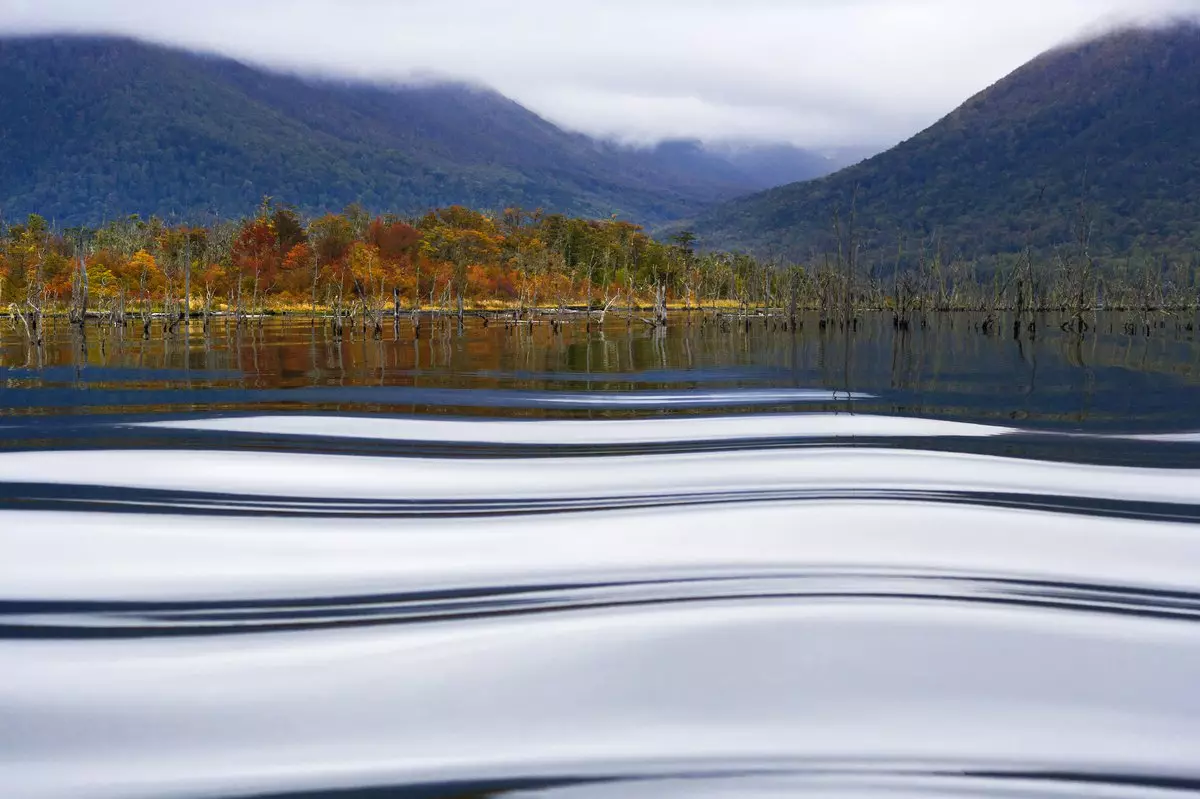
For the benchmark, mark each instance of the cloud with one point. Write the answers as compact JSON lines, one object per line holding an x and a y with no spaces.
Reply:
{"x":815,"y":72}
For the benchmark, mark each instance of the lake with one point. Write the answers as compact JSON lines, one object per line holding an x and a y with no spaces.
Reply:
{"x":717,"y":559}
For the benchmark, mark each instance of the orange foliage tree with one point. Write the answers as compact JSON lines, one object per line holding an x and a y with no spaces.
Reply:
{"x":356,"y":263}
{"x":459,"y":237}
{"x":256,"y":260}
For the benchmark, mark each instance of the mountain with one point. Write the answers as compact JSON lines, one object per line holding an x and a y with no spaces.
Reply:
{"x":1101,"y":136}
{"x":754,"y":165}
{"x":92,"y":128}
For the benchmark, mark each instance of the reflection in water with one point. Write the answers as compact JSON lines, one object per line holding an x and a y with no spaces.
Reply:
{"x":715,"y":562}
{"x":947,"y":369}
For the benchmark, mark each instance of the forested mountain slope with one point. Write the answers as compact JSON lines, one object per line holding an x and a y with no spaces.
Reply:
{"x":92,"y":128}
{"x":1098,"y":141}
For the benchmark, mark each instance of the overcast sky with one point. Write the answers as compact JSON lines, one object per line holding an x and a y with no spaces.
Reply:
{"x":814,"y":72}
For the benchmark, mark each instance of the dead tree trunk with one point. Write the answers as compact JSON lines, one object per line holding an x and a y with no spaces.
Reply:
{"x":660,"y":305}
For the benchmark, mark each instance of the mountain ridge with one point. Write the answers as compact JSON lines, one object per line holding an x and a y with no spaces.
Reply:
{"x":1097,"y":135}
{"x":106,"y":126}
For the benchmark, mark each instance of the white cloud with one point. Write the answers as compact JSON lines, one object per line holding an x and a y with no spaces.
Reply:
{"x":817,"y":72}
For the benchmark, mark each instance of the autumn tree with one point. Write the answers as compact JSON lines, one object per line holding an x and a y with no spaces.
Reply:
{"x":297,"y":272}
{"x":26,"y":249}
{"x":329,"y":241}
{"x":143,"y":267}
{"x":370,"y":278}
{"x":256,"y":259}
{"x":399,"y":248}
{"x":459,"y":237}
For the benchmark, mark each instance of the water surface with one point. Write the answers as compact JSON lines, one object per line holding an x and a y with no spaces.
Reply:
{"x":714,"y":561}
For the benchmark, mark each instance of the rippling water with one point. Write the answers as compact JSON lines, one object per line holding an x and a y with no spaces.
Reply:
{"x":718,"y":562}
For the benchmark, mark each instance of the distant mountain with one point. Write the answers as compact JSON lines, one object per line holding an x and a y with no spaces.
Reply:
{"x":1102,"y":136}
{"x":756,"y":166}
{"x":92,"y":128}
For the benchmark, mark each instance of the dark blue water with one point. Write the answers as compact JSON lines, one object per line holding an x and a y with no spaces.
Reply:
{"x":716,"y":562}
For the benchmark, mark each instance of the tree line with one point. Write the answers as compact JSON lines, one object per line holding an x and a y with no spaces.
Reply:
{"x":354,"y":265}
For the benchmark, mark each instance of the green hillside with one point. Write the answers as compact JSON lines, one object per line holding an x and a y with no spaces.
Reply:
{"x":92,"y":128}
{"x":1102,"y":137}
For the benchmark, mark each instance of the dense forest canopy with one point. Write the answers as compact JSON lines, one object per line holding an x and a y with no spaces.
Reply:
{"x":278,"y":259}
{"x":452,"y":259}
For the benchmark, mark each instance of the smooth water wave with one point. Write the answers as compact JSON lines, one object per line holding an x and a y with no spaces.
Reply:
{"x":1189,"y":437}
{"x":338,"y":478}
{"x":105,"y":557}
{"x":781,"y":611}
{"x":584,"y":432}
{"x":603,"y":693}
{"x":63,"y":619}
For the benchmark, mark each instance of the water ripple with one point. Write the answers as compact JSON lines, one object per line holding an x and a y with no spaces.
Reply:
{"x":136,"y":619}
{"x":782,"y":611}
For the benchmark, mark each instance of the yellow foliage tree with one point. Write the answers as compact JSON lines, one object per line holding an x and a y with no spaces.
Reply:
{"x":142,"y":272}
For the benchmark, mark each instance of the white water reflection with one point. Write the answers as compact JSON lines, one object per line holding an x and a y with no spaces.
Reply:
{"x":830,"y":620}
{"x":657,"y":476}
{"x":596,"y":693}
{"x":584,"y":432}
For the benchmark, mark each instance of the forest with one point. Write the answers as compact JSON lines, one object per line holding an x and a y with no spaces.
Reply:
{"x":355,"y":268}
{"x":1097,"y":127}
